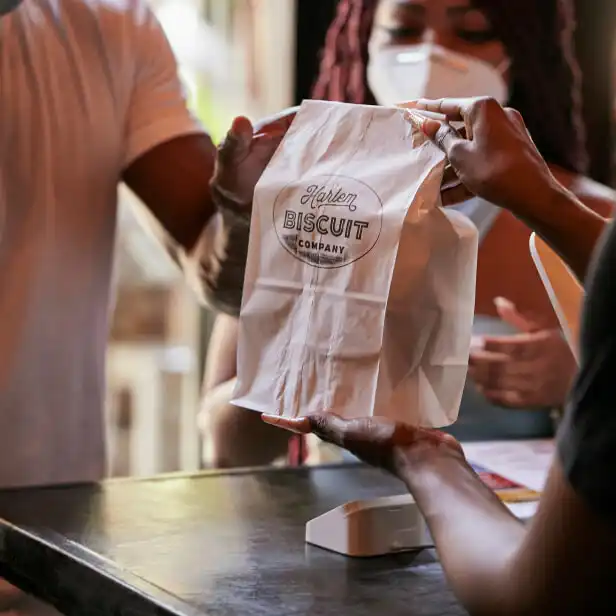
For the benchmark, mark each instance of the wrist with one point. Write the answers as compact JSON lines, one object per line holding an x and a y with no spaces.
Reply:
{"x":550,"y":198}
{"x":232,"y":211}
{"x":419,"y":464}
{"x":216,"y":266}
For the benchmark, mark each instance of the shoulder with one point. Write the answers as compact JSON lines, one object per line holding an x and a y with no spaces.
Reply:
{"x":118,"y":10}
{"x":112,"y":24}
{"x":126,"y":34}
{"x":598,"y":197}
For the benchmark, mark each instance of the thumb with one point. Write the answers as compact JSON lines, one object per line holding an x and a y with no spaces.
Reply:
{"x":236,"y":144}
{"x":443,"y":134}
{"x":508,"y":312}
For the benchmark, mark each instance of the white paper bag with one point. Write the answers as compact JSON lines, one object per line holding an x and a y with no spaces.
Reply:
{"x":359,"y":290}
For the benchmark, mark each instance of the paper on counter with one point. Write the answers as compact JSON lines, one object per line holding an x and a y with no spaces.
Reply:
{"x":525,"y":462}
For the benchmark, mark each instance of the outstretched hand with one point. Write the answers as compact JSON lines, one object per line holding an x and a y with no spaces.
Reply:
{"x":387,"y":444}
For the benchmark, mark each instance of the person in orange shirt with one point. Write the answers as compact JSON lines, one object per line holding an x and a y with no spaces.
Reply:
{"x":520,"y":53}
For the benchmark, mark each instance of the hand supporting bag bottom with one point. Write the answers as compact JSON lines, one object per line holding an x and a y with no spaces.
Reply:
{"x":359,"y":290}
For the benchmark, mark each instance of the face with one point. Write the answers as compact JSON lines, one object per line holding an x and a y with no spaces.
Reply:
{"x":453,"y":24}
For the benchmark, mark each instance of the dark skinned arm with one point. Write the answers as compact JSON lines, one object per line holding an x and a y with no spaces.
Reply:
{"x":168,"y":159}
{"x":499,"y":162}
{"x":569,"y":227}
{"x":173,"y":180}
{"x":200,"y":197}
{"x":563,"y":563}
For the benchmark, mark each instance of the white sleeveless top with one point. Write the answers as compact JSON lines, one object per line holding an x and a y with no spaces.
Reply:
{"x":86,"y":87}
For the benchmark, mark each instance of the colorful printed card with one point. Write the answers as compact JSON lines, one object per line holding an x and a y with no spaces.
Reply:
{"x":508,"y":491}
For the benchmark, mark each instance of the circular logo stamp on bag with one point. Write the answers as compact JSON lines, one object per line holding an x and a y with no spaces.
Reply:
{"x":328,"y":221}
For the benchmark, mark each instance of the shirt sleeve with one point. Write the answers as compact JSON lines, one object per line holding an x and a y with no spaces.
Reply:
{"x":157,"y":106}
{"x":587,"y":438}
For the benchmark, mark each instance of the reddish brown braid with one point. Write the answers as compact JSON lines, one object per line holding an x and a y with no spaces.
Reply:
{"x":545,"y":77}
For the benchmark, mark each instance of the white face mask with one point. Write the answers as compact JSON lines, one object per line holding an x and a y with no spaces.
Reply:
{"x":408,"y":72}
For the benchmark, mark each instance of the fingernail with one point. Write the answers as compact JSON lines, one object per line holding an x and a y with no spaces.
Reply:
{"x":502,"y":302}
{"x":235,"y":126}
{"x":430,"y":128}
{"x":299,"y":425}
{"x":241,"y":129}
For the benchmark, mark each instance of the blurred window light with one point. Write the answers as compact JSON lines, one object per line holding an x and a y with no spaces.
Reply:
{"x":191,"y":87}
{"x":196,"y":44}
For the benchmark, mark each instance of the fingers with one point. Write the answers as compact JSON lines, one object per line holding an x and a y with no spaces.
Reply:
{"x":507,"y":398}
{"x":486,"y":368}
{"x":481,"y":356}
{"x":445,"y":136}
{"x":333,"y":429}
{"x":452,"y":189}
{"x":327,"y":426}
{"x":450,"y":178}
{"x":526,"y":345}
{"x":279,"y":122}
{"x":492,"y":367}
{"x":472,"y":111}
{"x":516,"y":347}
{"x":454,"y":109}
{"x":374,"y":440}
{"x":298,"y":425}
{"x":500,"y":375}
{"x":236,"y":145}
{"x":455,"y":195}
{"x":501,"y":378}
{"x":508,"y":312}
{"x":330,"y":428}
{"x":278,"y":129}
{"x":511,"y":370}
{"x":515,"y":116}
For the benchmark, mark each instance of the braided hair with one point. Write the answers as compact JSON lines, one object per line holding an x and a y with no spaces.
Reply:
{"x":545,"y":77}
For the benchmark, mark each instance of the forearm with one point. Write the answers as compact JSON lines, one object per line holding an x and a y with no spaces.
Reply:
{"x":217,"y":262}
{"x":568,"y":226}
{"x":474,"y":533}
{"x":173,"y":180}
{"x":215,"y":267}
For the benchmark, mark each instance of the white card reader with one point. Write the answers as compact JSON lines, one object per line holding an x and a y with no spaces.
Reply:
{"x":381,"y":526}
{"x":372,"y":527}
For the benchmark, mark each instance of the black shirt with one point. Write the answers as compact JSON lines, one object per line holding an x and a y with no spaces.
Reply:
{"x":587,"y":439}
